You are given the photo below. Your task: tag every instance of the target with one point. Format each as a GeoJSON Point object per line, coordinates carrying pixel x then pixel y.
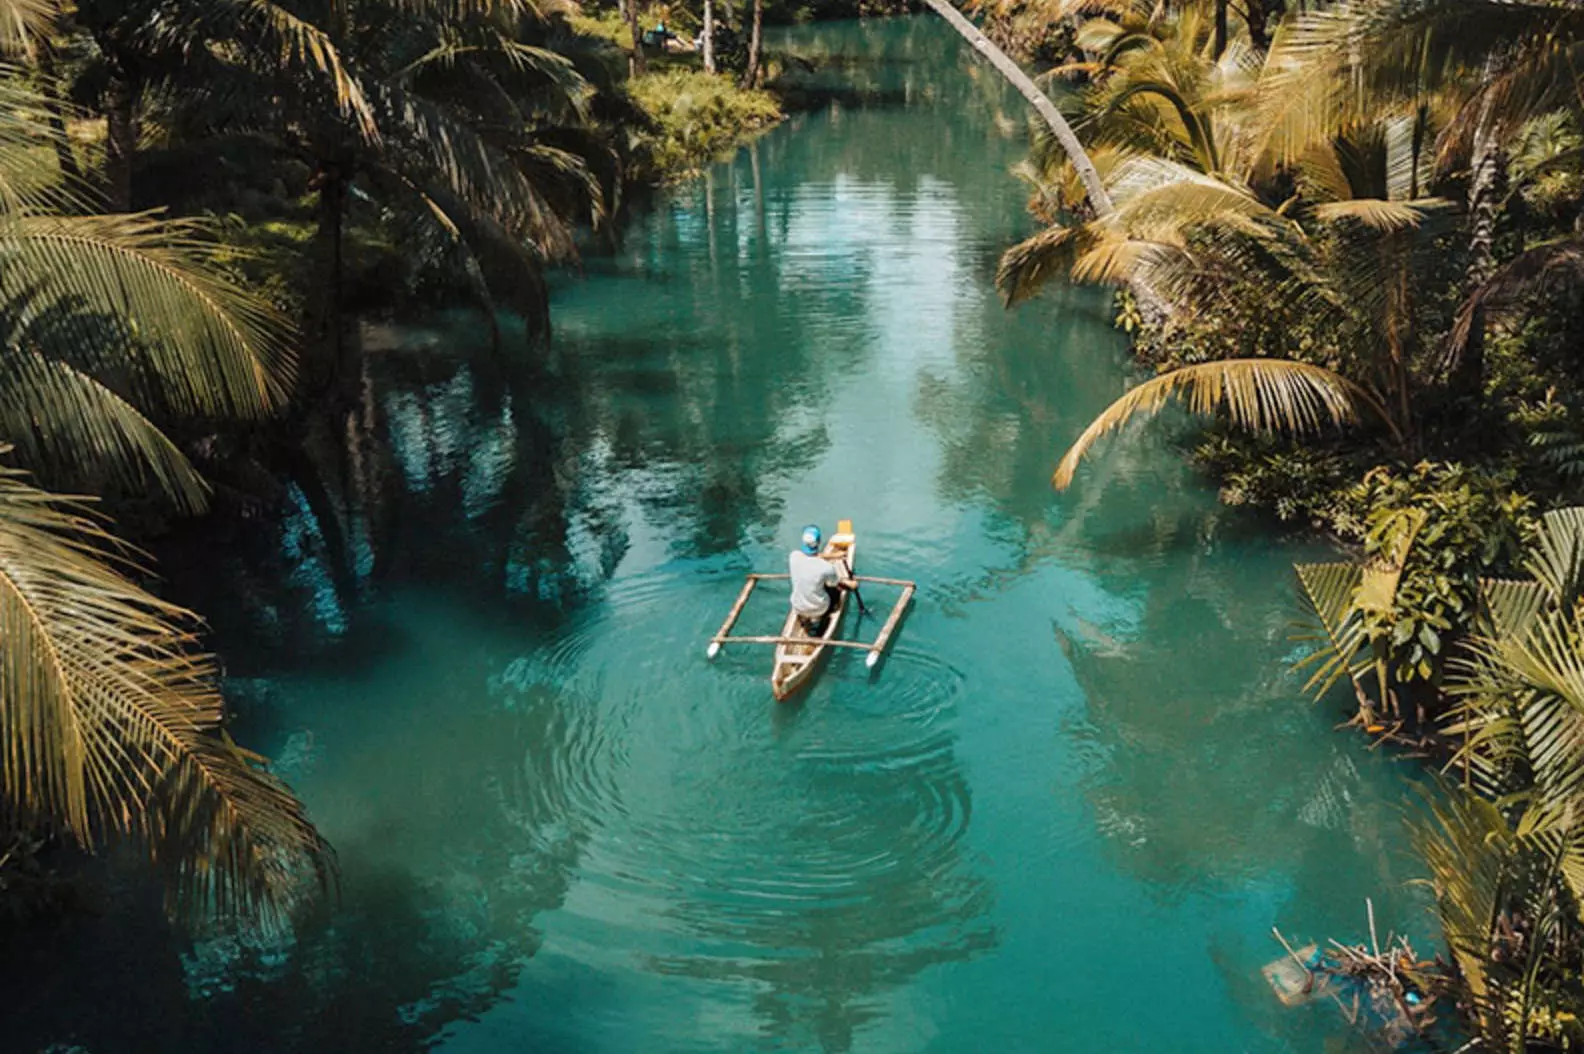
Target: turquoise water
{"type": "Point", "coordinates": [1063, 815]}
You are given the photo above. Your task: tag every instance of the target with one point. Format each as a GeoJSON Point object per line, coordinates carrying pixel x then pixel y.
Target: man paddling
{"type": "Point", "coordinates": [816, 583]}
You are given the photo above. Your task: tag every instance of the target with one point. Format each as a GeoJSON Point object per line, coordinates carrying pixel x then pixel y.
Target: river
{"type": "Point", "coordinates": [1063, 815]}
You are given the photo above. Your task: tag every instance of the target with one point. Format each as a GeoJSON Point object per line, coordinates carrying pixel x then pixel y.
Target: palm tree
{"type": "Point", "coordinates": [109, 716]}
{"type": "Point", "coordinates": [1099, 196]}
{"type": "Point", "coordinates": [459, 116]}
{"type": "Point", "coordinates": [1342, 254]}
{"type": "Point", "coordinates": [1487, 66]}
{"type": "Point", "coordinates": [1507, 849]}
{"type": "Point", "coordinates": [111, 723]}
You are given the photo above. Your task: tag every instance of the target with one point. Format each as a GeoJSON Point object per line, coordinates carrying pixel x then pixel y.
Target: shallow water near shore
{"type": "Point", "coordinates": [1064, 813]}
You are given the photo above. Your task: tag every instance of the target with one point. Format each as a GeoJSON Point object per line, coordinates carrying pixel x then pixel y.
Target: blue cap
{"type": "Point", "coordinates": [811, 539]}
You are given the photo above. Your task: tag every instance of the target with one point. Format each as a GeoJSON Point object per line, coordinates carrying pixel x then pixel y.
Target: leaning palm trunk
{"type": "Point", "coordinates": [1151, 306]}
{"type": "Point", "coordinates": [755, 47]}
{"type": "Point", "coordinates": [1094, 186]}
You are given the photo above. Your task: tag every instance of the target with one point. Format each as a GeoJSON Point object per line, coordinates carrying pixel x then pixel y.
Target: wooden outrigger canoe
{"type": "Point", "coordinates": [795, 663]}
{"type": "Point", "coordinates": [798, 656]}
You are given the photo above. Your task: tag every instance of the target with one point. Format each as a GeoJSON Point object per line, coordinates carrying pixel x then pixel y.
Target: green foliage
{"type": "Point", "coordinates": [1475, 527]}
{"type": "Point", "coordinates": [1301, 484]}
{"type": "Point", "coordinates": [1430, 537]}
{"type": "Point", "coordinates": [698, 116]}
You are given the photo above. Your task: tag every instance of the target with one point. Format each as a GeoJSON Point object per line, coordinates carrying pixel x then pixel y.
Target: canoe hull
{"type": "Point", "coordinates": [796, 664]}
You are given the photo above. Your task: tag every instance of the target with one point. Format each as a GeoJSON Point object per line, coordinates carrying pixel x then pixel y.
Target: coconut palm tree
{"type": "Point", "coordinates": [1506, 847]}
{"type": "Point", "coordinates": [1335, 252]}
{"type": "Point", "coordinates": [1486, 66]}
{"type": "Point", "coordinates": [111, 722]}
{"type": "Point", "coordinates": [109, 716]}
{"type": "Point", "coordinates": [459, 116]}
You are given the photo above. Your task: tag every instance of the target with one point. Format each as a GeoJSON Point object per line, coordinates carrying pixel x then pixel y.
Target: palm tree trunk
{"type": "Point", "coordinates": [324, 372]}
{"type": "Point", "coordinates": [1099, 197]}
{"type": "Point", "coordinates": [64, 155]}
{"type": "Point", "coordinates": [709, 36]}
{"type": "Point", "coordinates": [1487, 170]}
{"type": "Point", "coordinates": [121, 105]}
{"type": "Point", "coordinates": [1152, 308]}
{"type": "Point", "coordinates": [755, 47]}
{"type": "Point", "coordinates": [635, 64]}
{"type": "Point", "coordinates": [1257, 16]}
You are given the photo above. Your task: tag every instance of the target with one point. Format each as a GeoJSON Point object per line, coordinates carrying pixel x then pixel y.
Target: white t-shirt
{"type": "Point", "coordinates": [810, 576]}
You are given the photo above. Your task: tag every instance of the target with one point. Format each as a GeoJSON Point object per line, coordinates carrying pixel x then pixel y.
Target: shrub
{"type": "Point", "coordinates": [698, 116]}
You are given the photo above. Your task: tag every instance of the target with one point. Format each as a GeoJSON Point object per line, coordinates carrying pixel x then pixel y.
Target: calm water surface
{"type": "Point", "coordinates": [1063, 815]}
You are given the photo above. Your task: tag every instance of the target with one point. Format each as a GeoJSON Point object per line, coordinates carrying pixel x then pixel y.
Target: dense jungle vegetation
{"type": "Point", "coordinates": [1349, 234]}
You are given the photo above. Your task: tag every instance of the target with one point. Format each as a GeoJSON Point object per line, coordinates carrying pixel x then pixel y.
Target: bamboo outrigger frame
{"type": "Point", "coordinates": [800, 654]}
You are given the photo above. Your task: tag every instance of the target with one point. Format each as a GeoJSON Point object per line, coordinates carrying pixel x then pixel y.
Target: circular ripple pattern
{"type": "Point", "coordinates": [717, 814]}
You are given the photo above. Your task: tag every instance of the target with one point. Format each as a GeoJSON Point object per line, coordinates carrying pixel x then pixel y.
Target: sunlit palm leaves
{"type": "Point", "coordinates": [1506, 921]}
{"type": "Point", "coordinates": [108, 714]}
{"type": "Point", "coordinates": [1506, 850]}
{"type": "Point", "coordinates": [1354, 607]}
{"type": "Point", "coordinates": [1334, 68]}
{"type": "Point", "coordinates": [109, 318]}
{"type": "Point", "coordinates": [23, 23]}
{"type": "Point", "coordinates": [1261, 395]}
{"type": "Point", "coordinates": [109, 720]}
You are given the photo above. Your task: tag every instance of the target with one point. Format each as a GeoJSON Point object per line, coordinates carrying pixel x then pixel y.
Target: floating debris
{"type": "Point", "coordinates": [1389, 992]}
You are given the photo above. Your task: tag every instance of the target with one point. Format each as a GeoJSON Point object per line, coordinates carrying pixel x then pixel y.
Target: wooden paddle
{"type": "Point", "coordinates": [863, 609]}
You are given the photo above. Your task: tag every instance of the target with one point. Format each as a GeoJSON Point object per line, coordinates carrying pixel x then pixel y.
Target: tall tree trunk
{"type": "Point", "coordinates": [1220, 43]}
{"type": "Point", "coordinates": [709, 36]}
{"type": "Point", "coordinates": [64, 155]}
{"type": "Point", "coordinates": [1152, 308]}
{"type": "Point", "coordinates": [1258, 18]}
{"type": "Point", "coordinates": [325, 375]}
{"type": "Point", "coordinates": [121, 112]}
{"type": "Point", "coordinates": [636, 64]}
{"type": "Point", "coordinates": [755, 46]}
{"type": "Point", "coordinates": [1099, 197]}
{"type": "Point", "coordinates": [1487, 172]}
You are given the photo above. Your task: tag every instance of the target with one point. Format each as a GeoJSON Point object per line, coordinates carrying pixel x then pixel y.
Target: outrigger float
{"type": "Point", "coordinates": [797, 655]}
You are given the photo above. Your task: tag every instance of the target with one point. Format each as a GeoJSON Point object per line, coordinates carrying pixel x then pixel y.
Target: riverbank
{"type": "Point", "coordinates": [1376, 311]}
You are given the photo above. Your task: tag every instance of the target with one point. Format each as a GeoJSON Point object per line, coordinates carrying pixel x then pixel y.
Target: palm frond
{"type": "Point", "coordinates": [23, 23]}
{"type": "Point", "coordinates": [1547, 269]}
{"type": "Point", "coordinates": [1511, 604]}
{"type": "Point", "coordinates": [1260, 395]}
{"type": "Point", "coordinates": [1328, 591]}
{"type": "Point", "coordinates": [57, 415]}
{"type": "Point", "coordinates": [1377, 215]}
{"type": "Point", "coordinates": [476, 171]}
{"type": "Point", "coordinates": [109, 720]}
{"type": "Point", "coordinates": [209, 346]}
{"type": "Point", "coordinates": [308, 50]}
{"type": "Point", "coordinates": [1036, 260]}
{"type": "Point", "coordinates": [1556, 557]}
{"type": "Point", "coordinates": [1467, 845]}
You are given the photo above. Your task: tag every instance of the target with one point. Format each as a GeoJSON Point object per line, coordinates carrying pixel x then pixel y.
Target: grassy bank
{"type": "Point", "coordinates": [697, 117]}
{"type": "Point", "coordinates": [692, 117]}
